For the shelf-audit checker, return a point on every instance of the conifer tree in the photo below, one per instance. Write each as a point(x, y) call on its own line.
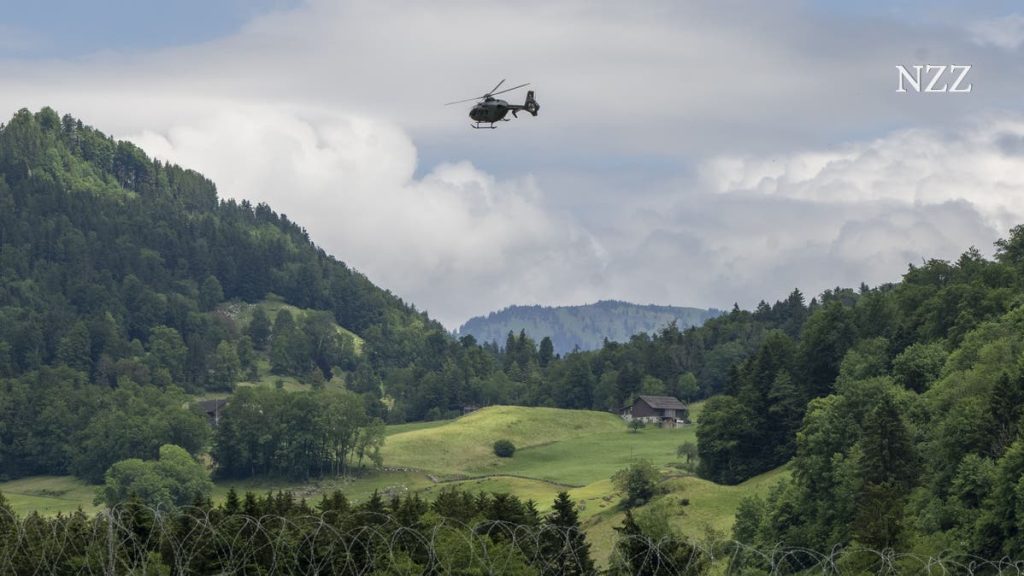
point(563, 544)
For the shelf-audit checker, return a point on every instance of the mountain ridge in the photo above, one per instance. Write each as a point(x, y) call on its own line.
point(585, 326)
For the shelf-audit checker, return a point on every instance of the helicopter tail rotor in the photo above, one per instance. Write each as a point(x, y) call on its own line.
point(531, 105)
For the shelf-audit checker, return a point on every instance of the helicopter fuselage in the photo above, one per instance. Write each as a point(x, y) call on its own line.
point(490, 110)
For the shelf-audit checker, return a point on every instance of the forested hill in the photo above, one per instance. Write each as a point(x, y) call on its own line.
point(585, 327)
point(120, 271)
point(92, 228)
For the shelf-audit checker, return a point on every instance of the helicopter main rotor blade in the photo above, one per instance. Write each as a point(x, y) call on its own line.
point(466, 100)
point(509, 89)
point(496, 87)
point(489, 94)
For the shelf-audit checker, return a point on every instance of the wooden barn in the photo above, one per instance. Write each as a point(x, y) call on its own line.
point(212, 409)
point(663, 410)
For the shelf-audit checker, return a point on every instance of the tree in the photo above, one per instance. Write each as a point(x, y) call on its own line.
point(247, 358)
point(167, 350)
point(576, 389)
point(259, 328)
point(224, 367)
point(173, 480)
point(727, 443)
point(75, 349)
point(546, 352)
point(647, 546)
point(563, 544)
point(888, 469)
point(637, 482)
point(826, 336)
point(210, 293)
point(288, 352)
point(918, 365)
point(687, 388)
point(998, 529)
point(1011, 250)
point(504, 448)
point(371, 440)
point(652, 386)
point(687, 450)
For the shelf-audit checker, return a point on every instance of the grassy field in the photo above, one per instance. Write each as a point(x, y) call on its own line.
point(289, 383)
point(587, 459)
point(49, 495)
point(572, 450)
point(465, 445)
point(394, 429)
point(708, 515)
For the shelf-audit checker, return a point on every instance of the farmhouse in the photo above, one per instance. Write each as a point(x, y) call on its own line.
point(665, 410)
point(212, 409)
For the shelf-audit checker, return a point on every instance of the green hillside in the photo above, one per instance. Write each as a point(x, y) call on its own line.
point(467, 443)
point(584, 327)
point(558, 450)
point(127, 286)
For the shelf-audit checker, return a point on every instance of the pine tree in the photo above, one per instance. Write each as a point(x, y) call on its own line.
point(564, 546)
point(887, 470)
point(232, 504)
point(1006, 402)
point(546, 353)
point(284, 345)
point(633, 554)
point(210, 293)
point(259, 328)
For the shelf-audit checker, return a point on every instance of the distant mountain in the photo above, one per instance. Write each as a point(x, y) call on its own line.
point(584, 326)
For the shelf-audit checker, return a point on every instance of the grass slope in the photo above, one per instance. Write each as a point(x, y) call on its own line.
point(465, 445)
point(558, 450)
point(240, 313)
point(49, 495)
point(709, 514)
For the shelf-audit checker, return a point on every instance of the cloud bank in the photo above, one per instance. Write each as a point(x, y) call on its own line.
point(350, 181)
point(682, 155)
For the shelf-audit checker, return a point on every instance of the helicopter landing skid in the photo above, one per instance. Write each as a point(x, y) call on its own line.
point(478, 126)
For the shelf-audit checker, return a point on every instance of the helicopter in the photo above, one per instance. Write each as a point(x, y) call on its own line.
point(490, 109)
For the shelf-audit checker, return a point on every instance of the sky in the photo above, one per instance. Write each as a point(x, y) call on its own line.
point(692, 154)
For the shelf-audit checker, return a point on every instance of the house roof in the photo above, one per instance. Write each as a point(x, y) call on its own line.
point(210, 406)
point(662, 402)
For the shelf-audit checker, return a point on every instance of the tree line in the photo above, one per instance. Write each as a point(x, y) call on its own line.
point(458, 531)
point(899, 410)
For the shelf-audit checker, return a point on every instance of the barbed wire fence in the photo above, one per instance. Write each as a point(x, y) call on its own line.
point(135, 540)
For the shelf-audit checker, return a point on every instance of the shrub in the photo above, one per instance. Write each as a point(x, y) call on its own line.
point(504, 449)
point(638, 482)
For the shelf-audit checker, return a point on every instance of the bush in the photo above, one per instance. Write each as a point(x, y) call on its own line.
point(504, 449)
point(638, 482)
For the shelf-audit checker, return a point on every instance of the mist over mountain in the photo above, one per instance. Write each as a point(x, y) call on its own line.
point(586, 326)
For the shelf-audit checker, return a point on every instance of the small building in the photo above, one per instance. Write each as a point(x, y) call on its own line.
point(212, 409)
point(663, 410)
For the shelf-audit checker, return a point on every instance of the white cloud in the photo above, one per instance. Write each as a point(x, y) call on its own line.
point(457, 238)
point(981, 163)
point(1006, 32)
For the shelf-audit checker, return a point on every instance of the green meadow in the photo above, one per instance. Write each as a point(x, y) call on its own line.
point(573, 450)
